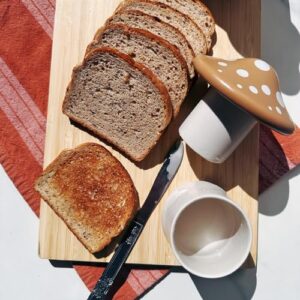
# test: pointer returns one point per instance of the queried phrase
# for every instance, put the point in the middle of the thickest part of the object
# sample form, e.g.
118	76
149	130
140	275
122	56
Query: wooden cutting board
75	24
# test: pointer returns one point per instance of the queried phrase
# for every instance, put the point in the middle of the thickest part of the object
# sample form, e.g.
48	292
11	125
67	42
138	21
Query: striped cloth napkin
26	28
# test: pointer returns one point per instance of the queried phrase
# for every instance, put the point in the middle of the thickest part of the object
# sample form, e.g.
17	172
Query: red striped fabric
26	28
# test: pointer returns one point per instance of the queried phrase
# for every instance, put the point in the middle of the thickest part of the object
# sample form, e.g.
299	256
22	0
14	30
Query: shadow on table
274	200
280	43
240	285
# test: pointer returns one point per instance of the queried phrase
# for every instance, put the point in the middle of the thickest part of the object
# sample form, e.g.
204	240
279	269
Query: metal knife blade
164	178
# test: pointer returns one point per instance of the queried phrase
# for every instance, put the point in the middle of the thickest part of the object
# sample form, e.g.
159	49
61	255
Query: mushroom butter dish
250	83
242	92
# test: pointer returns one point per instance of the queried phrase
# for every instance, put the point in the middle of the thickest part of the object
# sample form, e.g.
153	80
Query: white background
24	276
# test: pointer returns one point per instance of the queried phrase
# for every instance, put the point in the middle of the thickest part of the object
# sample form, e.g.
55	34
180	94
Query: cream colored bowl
209	234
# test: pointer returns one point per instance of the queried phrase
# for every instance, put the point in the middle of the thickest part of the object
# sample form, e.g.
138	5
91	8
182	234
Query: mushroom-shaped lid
251	84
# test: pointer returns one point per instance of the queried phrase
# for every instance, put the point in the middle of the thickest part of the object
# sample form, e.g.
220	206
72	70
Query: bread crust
93	44
63	158
146	72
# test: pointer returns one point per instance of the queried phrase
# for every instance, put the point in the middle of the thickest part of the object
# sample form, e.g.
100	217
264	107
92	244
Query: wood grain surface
76	21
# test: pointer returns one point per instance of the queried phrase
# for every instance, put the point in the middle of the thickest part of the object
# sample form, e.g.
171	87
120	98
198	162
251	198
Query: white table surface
24	276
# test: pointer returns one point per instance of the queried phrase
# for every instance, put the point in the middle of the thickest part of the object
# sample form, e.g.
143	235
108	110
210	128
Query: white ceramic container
216	127
209	234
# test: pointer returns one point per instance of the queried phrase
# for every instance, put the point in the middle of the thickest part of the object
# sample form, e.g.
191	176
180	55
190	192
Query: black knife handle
102	287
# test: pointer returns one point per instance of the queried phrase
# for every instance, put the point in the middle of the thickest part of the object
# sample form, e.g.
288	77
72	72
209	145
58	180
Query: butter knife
164	178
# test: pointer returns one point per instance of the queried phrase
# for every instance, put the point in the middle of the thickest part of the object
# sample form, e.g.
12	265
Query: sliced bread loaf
119	100
165	13
198	12
91	192
169	33
163	59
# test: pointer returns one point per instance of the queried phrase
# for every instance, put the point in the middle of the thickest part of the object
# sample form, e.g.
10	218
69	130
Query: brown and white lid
251	84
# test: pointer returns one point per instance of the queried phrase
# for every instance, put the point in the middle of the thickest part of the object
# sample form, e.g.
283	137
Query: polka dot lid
251	84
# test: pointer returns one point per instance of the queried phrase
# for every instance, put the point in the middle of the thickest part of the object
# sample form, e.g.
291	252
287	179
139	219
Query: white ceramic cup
216	127
209	234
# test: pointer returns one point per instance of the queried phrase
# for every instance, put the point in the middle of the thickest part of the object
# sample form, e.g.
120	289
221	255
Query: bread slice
198	12
163	59
120	100
165	13
169	33
91	192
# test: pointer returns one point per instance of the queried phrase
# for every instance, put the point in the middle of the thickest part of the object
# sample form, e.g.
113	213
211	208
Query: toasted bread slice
91	192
